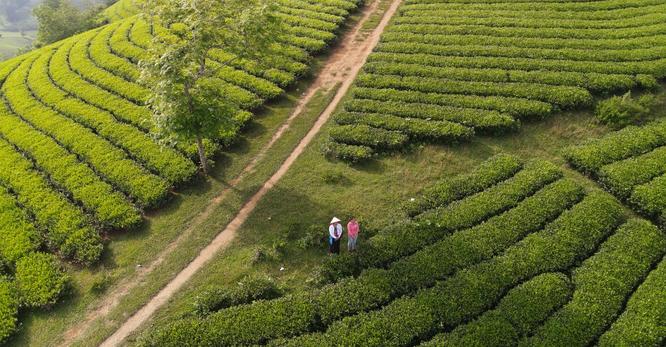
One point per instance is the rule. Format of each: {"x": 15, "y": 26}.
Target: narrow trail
{"x": 342, "y": 66}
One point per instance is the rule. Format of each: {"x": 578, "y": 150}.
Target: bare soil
{"x": 342, "y": 67}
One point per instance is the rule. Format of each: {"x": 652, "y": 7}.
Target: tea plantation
{"x": 538, "y": 225}
{"x": 447, "y": 70}
{"x": 76, "y": 155}
{"x": 120, "y": 10}
{"x": 512, "y": 253}
{"x": 631, "y": 164}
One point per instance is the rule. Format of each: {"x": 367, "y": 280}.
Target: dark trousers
{"x": 334, "y": 246}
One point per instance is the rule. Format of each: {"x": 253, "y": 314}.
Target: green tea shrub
{"x": 39, "y": 280}
{"x": 620, "y": 111}
{"x": 9, "y": 305}
{"x": 642, "y": 323}
{"x": 246, "y": 291}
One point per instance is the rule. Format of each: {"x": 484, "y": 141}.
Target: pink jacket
{"x": 352, "y": 229}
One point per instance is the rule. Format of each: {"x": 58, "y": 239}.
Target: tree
{"x": 59, "y": 19}
{"x": 187, "y": 100}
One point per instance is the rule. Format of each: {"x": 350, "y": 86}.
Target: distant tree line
{"x": 59, "y": 19}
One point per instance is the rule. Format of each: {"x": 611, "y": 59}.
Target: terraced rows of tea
{"x": 511, "y": 253}
{"x": 446, "y": 70}
{"x": 120, "y": 10}
{"x": 76, "y": 154}
{"x": 630, "y": 163}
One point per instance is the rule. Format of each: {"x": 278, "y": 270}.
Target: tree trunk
{"x": 202, "y": 156}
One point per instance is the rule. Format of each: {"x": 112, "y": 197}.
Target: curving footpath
{"x": 349, "y": 57}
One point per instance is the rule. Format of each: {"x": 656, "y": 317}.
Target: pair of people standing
{"x": 335, "y": 231}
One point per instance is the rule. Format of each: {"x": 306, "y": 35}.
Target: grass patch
{"x": 316, "y": 188}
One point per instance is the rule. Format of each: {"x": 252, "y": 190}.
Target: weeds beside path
{"x": 340, "y": 68}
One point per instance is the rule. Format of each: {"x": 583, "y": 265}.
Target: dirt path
{"x": 342, "y": 67}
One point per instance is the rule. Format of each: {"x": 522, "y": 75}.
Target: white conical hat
{"x": 335, "y": 220}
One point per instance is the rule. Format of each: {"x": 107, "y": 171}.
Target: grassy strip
{"x": 486, "y": 175}
{"x": 266, "y": 320}
{"x": 403, "y": 239}
{"x": 626, "y": 143}
{"x": 472, "y": 291}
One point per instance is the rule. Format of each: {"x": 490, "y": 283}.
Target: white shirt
{"x": 335, "y": 230}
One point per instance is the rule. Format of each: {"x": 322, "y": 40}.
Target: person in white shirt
{"x": 334, "y": 235}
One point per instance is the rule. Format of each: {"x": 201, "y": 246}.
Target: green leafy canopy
{"x": 187, "y": 98}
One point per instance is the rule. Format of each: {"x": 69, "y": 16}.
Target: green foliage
{"x": 488, "y": 66}
{"x": 404, "y": 238}
{"x": 457, "y": 251}
{"x": 119, "y": 10}
{"x": 311, "y": 237}
{"x": 650, "y": 198}
{"x": 622, "y": 176}
{"x": 39, "y": 280}
{"x": 623, "y": 144}
{"x": 101, "y": 284}
{"x": 363, "y": 135}
{"x": 111, "y": 162}
{"x": 166, "y": 161}
{"x": 620, "y": 111}
{"x": 592, "y": 81}
{"x": 481, "y": 120}
{"x": 532, "y": 302}
{"x": 489, "y": 173}
{"x": 602, "y": 283}
{"x": 59, "y": 19}
{"x": 246, "y": 291}
{"x": 18, "y": 236}
{"x": 516, "y": 107}
{"x": 641, "y": 323}
{"x": 9, "y": 305}
{"x": 471, "y": 291}
{"x": 413, "y": 128}
{"x": 566, "y": 97}
{"x": 187, "y": 99}
{"x": 259, "y": 322}
{"x": 630, "y": 164}
{"x": 517, "y": 314}
{"x": 348, "y": 153}
{"x": 110, "y": 208}
{"x": 77, "y": 157}
{"x": 65, "y": 228}
{"x": 80, "y": 61}
{"x": 376, "y": 287}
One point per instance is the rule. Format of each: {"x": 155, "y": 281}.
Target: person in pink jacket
{"x": 352, "y": 234}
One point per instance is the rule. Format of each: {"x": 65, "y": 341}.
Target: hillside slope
{"x": 447, "y": 70}
{"x": 77, "y": 158}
